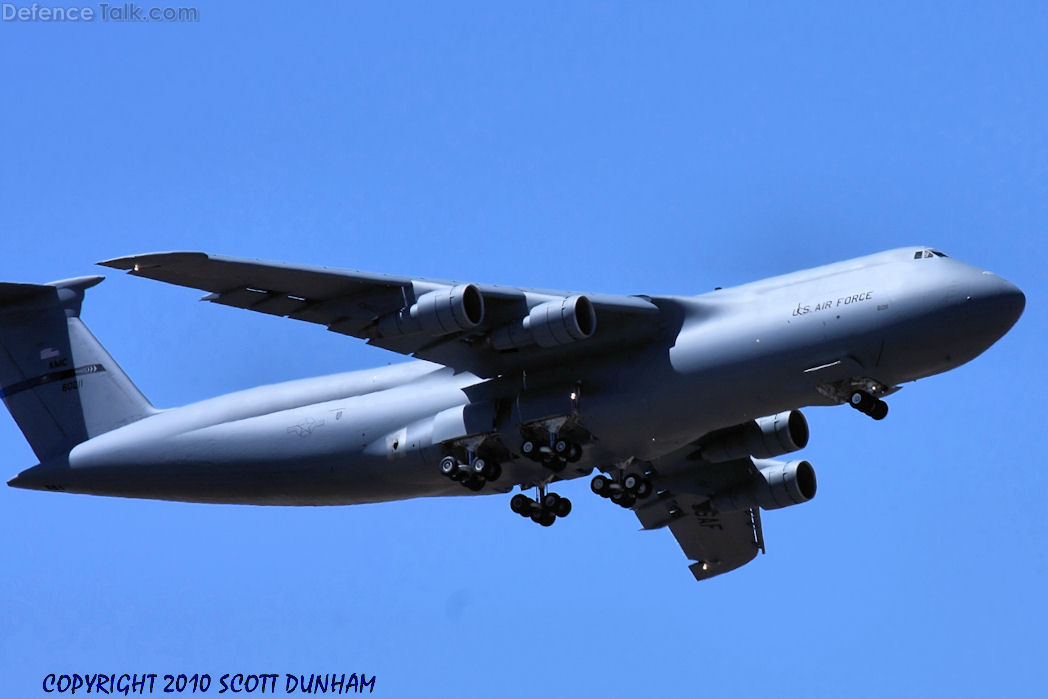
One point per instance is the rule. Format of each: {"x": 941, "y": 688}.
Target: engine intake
{"x": 777, "y": 484}
{"x": 550, "y": 324}
{"x": 761, "y": 438}
{"x": 439, "y": 312}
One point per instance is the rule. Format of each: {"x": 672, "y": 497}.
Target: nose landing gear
{"x": 866, "y": 403}
{"x": 863, "y": 393}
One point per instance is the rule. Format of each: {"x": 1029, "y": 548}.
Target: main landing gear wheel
{"x": 544, "y": 511}
{"x": 866, "y": 403}
{"x": 554, "y": 454}
{"x": 473, "y": 476}
{"x": 544, "y": 517}
{"x": 521, "y": 504}
{"x": 626, "y": 491}
{"x": 488, "y": 470}
{"x": 601, "y": 485}
{"x": 636, "y": 485}
{"x": 556, "y": 504}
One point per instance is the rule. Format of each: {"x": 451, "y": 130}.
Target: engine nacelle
{"x": 777, "y": 484}
{"x": 761, "y": 438}
{"x": 437, "y": 312}
{"x": 550, "y": 324}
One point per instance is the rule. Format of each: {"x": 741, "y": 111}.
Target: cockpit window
{"x": 927, "y": 253}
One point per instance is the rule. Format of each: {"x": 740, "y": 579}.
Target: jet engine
{"x": 437, "y": 312}
{"x": 761, "y": 438}
{"x": 549, "y": 324}
{"x": 777, "y": 484}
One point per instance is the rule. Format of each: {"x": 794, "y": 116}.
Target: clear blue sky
{"x": 613, "y": 147}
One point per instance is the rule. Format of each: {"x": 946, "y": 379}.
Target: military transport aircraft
{"x": 680, "y": 403}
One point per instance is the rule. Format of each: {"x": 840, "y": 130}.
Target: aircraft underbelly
{"x": 359, "y": 449}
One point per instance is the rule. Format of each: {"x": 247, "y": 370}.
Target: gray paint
{"x": 657, "y": 376}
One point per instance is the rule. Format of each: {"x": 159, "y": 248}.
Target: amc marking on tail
{"x": 51, "y": 377}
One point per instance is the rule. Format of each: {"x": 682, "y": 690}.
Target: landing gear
{"x": 544, "y": 510}
{"x": 556, "y": 504}
{"x": 555, "y": 453}
{"x": 449, "y": 466}
{"x": 472, "y": 475}
{"x": 866, "y": 403}
{"x": 624, "y": 491}
{"x": 636, "y": 485}
{"x": 488, "y": 470}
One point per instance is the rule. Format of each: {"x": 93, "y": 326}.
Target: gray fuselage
{"x": 720, "y": 359}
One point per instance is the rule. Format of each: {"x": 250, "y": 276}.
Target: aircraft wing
{"x": 485, "y": 329}
{"x": 717, "y": 542}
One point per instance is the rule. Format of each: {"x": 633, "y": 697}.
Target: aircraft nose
{"x": 996, "y": 303}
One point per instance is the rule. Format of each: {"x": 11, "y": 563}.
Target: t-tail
{"x": 59, "y": 383}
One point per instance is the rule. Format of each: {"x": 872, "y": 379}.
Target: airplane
{"x": 680, "y": 404}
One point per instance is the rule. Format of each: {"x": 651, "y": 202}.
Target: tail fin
{"x": 59, "y": 383}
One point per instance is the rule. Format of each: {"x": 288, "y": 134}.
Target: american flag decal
{"x": 49, "y": 353}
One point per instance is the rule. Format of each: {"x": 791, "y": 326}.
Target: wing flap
{"x": 716, "y": 542}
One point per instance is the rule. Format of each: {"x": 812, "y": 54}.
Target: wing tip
{"x": 704, "y": 570}
{"x": 133, "y": 263}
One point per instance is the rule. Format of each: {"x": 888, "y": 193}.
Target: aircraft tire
{"x": 448, "y": 466}
{"x": 643, "y": 488}
{"x": 631, "y": 482}
{"x": 544, "y": 517}
{"x": 879, "y": 411}
{"x": 563, "y": 507}
{"x": 861, "y": 401}
{"x": 521, "y": 504}
{"x": 624, "y": 499}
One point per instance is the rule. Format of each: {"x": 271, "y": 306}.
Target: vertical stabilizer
{"x": 59, "y": 383}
